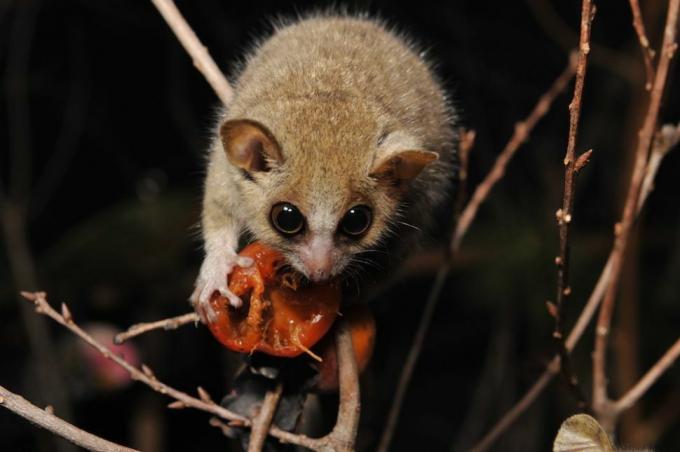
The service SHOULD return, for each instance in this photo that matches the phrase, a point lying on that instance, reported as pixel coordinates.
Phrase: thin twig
(522, 130)
(521, 134)
(647, 51)
(506, 421)
(574, 336)
(653, 374)
(565, 214)
(263, 420)
(666, 138)
(601, 403)
(167, 324)
(48, 421)
(201, 58)
(466, 141)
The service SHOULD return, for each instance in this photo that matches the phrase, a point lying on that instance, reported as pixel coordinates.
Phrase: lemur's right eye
(287, 219)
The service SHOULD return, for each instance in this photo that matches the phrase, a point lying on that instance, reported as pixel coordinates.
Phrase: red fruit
(279, 316)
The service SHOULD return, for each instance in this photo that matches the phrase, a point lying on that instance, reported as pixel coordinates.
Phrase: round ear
(249, 145)
(400, 168)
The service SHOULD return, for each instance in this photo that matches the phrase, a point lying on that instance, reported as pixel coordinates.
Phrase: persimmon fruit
(280, 315)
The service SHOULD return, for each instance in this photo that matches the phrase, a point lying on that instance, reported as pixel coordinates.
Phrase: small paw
(212, 278)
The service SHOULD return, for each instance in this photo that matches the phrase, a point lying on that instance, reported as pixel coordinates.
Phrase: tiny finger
(234, 300)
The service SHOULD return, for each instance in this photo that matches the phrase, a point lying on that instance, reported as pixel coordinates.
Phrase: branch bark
(647, 51)
(263, 420)
(340, 439)
(166, 324)
(49, 421)
(662, 147)
(520, 135)
(565, 214)
(198, 52)
(602, 405)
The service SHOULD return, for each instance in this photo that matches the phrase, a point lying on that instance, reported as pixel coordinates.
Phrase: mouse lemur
(337, 149)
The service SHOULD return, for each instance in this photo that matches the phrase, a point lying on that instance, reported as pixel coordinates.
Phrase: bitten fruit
(280, 316)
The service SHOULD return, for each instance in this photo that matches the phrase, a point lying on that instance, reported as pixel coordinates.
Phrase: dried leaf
(582, 433)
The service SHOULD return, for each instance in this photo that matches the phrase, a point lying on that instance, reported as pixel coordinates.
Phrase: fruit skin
(279, 316)
(361, 324)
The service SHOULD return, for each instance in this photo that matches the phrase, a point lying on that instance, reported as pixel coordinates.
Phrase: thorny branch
(43, 418)
(602, 406)
(565, 214)
(341, 438)
(520, 135)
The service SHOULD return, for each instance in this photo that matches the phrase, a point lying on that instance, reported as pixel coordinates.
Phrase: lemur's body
(339, 138)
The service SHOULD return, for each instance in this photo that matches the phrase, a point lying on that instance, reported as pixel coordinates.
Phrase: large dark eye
(356, 221)
(287, 219)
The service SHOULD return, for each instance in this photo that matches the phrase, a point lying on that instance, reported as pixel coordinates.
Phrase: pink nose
(318, 267)
(317, 258)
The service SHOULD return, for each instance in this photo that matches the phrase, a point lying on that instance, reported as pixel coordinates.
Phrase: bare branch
(601, 402)
(653, 374)
(340, 439)
(665, 139)
(166, 324)
(202, 59)
(522, 130)
(465, 144)
(565, 213)
(521, 134)
(552, 369)
(647, 51)
(263, 420)
(47, 420)
(574, 336)
(520, 407)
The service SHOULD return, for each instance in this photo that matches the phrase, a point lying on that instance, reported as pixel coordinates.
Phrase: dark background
(103, 126)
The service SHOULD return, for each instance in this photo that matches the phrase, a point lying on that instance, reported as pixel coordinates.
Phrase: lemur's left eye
(356, 221)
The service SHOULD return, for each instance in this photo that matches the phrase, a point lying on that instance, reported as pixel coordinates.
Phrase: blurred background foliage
(103, 127)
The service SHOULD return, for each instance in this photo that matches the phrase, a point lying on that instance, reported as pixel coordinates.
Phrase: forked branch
(602, 405)
(341, 438)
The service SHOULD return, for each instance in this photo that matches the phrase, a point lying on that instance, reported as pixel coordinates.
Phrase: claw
(243, 261)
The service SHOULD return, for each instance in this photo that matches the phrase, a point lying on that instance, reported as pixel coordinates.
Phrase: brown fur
(340, 96)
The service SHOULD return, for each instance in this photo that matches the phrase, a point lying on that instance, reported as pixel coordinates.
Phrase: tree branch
(647, 51)
(521, 134)
(341, 438)
(653, 374)
(166, 324)
(263, 420)
(577, 331)
(201, 58)
(49, 421)
(601, 403)
(565, 214)
(522, 130)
